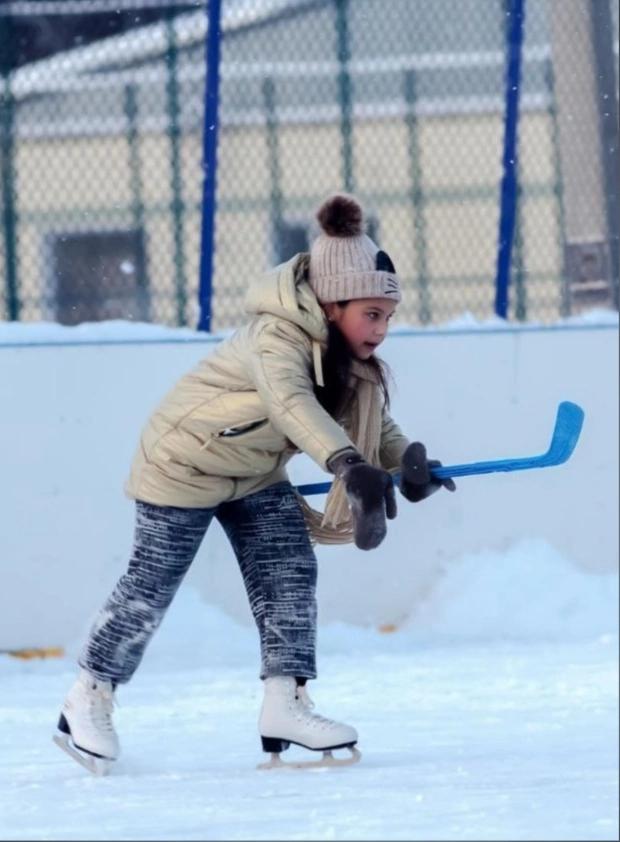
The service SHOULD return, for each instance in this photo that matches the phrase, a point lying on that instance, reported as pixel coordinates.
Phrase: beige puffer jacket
(228, 427)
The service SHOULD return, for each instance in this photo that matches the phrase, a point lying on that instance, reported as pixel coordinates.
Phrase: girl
(301, 375)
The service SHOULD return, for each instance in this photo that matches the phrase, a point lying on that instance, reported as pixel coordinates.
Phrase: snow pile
(530, 592)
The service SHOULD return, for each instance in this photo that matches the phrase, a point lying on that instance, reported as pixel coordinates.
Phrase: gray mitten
(416, 481)
(371, 495)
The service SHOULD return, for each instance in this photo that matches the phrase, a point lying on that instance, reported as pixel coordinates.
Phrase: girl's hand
(371, 496)
(416, 481)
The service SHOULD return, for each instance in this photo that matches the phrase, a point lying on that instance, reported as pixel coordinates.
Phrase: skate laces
(304, 711)
(101, 702)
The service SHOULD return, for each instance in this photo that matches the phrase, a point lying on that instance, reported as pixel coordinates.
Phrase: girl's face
(363, 322)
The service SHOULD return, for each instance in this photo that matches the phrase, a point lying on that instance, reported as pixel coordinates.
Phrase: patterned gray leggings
(269, 537)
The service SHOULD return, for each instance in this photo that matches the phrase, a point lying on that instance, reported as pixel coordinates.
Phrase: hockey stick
(568, 424)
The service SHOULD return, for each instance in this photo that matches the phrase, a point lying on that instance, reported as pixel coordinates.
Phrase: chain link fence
(401, 102)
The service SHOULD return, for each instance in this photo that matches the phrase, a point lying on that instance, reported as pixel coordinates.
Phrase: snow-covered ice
(492, 715)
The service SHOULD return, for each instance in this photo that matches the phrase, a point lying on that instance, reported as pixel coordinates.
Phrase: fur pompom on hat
(344, 262)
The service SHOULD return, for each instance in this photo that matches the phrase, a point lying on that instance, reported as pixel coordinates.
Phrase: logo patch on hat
(383, 262)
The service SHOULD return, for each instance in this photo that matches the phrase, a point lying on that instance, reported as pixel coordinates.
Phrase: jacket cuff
(342, 459)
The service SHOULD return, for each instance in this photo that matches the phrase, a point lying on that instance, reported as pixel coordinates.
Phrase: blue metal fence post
(8, 215)
(209, 159)
(509, 191)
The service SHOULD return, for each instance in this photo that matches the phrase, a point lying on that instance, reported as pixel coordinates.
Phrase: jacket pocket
(242, 429)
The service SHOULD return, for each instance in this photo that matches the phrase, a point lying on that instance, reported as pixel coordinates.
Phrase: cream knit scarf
(363, 426)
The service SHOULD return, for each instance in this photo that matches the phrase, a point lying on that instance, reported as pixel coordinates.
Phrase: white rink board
(71, 416)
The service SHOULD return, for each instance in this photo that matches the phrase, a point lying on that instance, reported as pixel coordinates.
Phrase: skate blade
(327, 761)
(98, 766)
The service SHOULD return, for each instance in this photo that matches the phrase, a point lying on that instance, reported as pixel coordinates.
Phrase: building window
(290, 239)
(294, 237)
(98, 275)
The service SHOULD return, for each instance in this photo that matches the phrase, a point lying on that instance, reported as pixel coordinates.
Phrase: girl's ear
(330, 310)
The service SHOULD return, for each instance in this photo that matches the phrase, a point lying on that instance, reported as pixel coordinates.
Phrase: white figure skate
(286, 717)
(85, 729)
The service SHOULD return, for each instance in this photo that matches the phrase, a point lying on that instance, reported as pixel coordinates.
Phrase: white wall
(71, 415)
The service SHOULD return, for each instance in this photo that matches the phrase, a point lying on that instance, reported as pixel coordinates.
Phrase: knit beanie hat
(344, 262)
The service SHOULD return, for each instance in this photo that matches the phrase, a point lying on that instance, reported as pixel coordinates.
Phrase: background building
(401, 102)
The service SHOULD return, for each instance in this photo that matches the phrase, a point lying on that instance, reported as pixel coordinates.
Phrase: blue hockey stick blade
(566, 432)
(568, 424)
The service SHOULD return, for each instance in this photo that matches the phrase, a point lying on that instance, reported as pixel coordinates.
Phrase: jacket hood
(284, 292)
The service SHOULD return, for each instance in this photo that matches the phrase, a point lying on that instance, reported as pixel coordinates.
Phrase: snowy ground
(493, 715)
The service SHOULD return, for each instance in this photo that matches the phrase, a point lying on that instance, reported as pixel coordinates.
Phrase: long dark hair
(335, 395)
